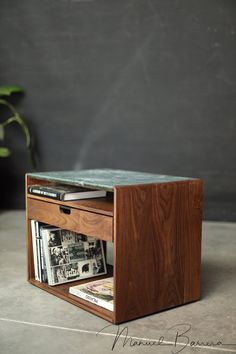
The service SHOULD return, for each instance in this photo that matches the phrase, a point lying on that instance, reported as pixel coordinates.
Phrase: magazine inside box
(103, 206)
(62, 289)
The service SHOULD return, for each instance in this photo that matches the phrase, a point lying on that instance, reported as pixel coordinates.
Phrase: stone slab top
(106, 179)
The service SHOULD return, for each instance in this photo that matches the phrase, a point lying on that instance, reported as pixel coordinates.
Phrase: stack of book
(62, 256)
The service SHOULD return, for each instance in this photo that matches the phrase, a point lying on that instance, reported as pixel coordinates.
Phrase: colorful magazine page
(99, 292)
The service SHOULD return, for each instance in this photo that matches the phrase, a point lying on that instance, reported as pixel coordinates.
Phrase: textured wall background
(134, 84)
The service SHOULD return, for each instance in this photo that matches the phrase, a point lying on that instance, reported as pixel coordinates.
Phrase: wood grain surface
(157, 242)
(91, 224)
(157, 246)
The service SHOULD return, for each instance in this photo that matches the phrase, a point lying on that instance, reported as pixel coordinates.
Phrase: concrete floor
(33, 321)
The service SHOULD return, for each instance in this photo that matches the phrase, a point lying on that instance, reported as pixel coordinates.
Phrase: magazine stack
(62, 256)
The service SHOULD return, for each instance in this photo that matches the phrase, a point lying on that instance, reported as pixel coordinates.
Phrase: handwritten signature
(180, 339)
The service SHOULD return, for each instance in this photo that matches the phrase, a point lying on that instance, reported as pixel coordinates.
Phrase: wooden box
(154, 222)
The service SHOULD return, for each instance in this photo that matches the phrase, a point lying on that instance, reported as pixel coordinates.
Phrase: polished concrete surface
(33, 321)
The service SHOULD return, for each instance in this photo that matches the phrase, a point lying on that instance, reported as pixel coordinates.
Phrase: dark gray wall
(134, 84)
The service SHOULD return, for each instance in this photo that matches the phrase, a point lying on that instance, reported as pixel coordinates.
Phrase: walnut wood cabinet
(154, 222)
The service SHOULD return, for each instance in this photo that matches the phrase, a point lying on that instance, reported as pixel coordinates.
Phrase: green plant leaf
(24, 128)
(8, 90)
(2, 132)
(4, 152)
(16, 118)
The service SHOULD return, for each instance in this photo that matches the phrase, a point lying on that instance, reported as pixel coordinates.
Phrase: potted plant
(14, 118)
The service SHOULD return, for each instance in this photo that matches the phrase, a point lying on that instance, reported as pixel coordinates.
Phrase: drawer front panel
(91, 224)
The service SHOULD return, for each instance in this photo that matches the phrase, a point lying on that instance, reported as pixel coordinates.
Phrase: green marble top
(105, 179)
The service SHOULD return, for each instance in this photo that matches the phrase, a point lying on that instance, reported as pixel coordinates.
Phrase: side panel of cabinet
(157, 236)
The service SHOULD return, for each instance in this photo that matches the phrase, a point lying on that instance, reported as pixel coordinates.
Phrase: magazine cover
(71, 256)
(99, 292)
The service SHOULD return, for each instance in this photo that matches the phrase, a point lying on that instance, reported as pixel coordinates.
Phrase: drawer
(85, 222)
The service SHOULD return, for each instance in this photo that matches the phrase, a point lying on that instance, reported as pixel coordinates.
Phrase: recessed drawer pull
(65, 210)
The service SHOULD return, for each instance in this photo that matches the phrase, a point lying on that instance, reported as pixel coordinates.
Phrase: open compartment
(92, 217)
